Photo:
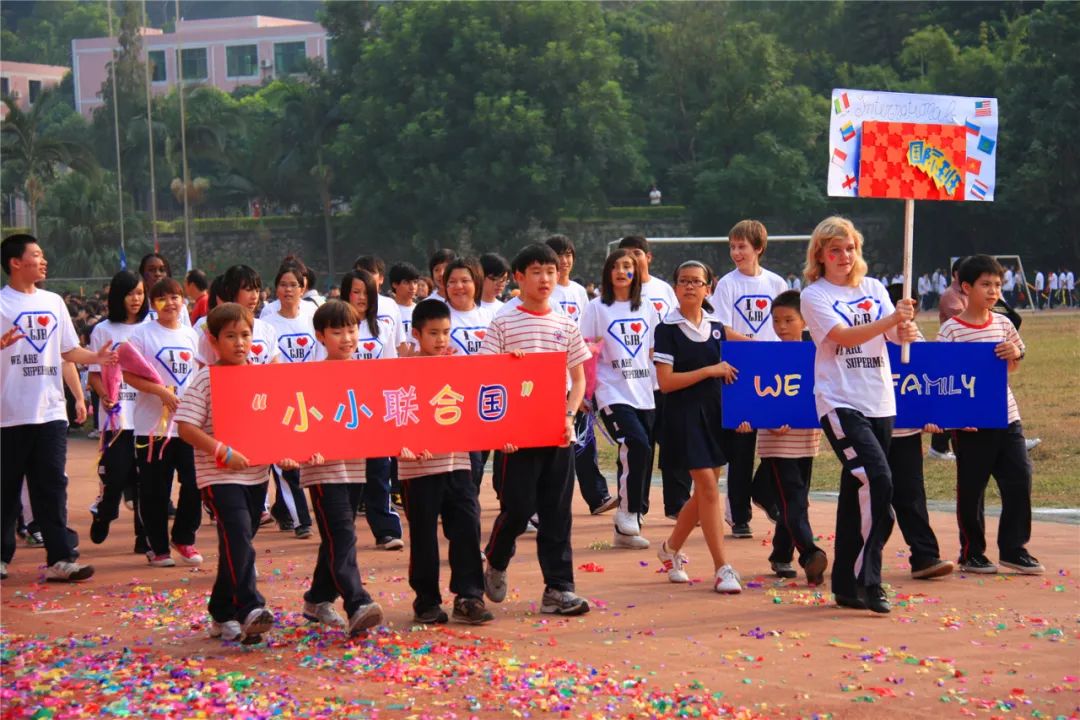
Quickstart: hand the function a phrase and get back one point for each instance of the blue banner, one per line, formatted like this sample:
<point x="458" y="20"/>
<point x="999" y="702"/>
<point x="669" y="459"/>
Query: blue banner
<point x="952" y="385"/>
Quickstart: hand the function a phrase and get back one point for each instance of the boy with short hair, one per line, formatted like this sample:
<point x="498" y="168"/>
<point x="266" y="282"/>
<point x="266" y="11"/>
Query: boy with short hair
<point x="436" y="266"/>
<point x="404" y="279"/>
<point x="1000" y="452"/>
<point x="787" y="461"/>
<point x="441" y="486"/>
<point x="542" y="480"/>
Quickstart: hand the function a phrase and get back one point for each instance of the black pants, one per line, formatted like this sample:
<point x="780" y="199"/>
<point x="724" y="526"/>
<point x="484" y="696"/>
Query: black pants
<point x="1001" y="453"/>
<point x="290" y="505"/>
<point x="379" y="510"/>
<point x="39" y="453"/>
<point x="336" y="572"/>
<point x="788" y="480"/>
<point x="536" y="480"/>
<point x="864" y="518"/>
<point x="478" y="460"/>
<point x="909" y="499"/>
<point x="591" y="482"/>
<point x="632" y="430"/>
<point x="676" y="480"/>
<point x="155" y="488"/>
<point x="940" y="442"/>
<point x="739" y="450"/>
<point x="237" y="509"/>
<point x="453" y="497"/>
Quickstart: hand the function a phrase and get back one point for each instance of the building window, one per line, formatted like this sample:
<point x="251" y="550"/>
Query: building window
<point x="289" y="57"/>
<point x="35" y="91"/>
<point x="4" y="87"/>
<point x="242" y="61"/>
<point x="193" y="64"/>
<point x="157" y="65"/>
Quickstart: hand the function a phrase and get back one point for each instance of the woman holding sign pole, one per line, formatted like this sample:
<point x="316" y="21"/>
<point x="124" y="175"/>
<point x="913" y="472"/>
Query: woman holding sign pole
<point x="850" y="316"/>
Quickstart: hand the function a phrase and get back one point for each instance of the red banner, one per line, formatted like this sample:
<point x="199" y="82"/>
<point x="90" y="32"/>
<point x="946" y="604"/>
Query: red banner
<point x="912" y="161"/>
<point x="354" y="409"/>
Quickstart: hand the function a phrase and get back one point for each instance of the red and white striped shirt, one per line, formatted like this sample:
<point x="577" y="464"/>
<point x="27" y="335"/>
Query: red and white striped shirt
<point x="795" y="443"/>
<point x="997" y="330"/>
<point x="441" y="463"/>
<point x="520" y="329"/>
<point x="195" y="409"/>
<point x="331" y="472"/>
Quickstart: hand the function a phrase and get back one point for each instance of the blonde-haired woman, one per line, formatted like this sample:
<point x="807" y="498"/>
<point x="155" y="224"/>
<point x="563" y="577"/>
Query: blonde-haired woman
<point x="850" y="316"/>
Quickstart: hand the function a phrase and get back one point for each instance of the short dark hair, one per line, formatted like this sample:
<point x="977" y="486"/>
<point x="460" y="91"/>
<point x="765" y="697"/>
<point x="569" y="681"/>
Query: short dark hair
<point x="635" y="242"/>
<point x="215" y="293"/>
<point x="978" y="265"/>
<point x="956" y="264"/>
<point x="371" y="316"/>
<point x="165" y="286"/>
<point x="197" y="278"/>
<point x="560" y="244"/>
<point x="428" y="310"/>
<point x="13" y="247"/>
<point x="335" y="314"/>
<point x="534" y="253"/>
<point x="237" y="278"/>
<point x="607" y="287"/>
<point x="294" y="266"/>
<point x="442" y="255"/>
<point x="372" y="263"/>
<point x="310" y="279"/>
<point x="470" y="264"/>
<point x="710" y="278"/>
<point x="121" y="284"/>
<point x="788" y="299"/>
<point x="494" y="265"/>
<point x="403" y="272"/>
<point x="227" y="313"/>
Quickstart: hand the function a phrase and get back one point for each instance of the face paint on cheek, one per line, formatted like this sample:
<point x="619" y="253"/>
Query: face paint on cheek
<point x="159" y="304"/>
<point x="629" y="276"/>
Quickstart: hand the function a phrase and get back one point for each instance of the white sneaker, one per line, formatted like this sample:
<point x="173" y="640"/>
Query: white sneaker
<point x="229" y="630"/>
<point x="64" y="571"/>
<point x="1032" y="443"/>
<point x="673" y="563"/>
<point x="936" y="455"/>
<point x="366" y="617"/>
<point x="495" y="584"/>
<point x="533" y="524"/>
<point x="632" y="542"/>
<point x="324" y="613"/>
<point x="626" y="523"/>
<point x="3" y="571"/>
<point x="727" y="581"/>
<point x="255" y="624"/>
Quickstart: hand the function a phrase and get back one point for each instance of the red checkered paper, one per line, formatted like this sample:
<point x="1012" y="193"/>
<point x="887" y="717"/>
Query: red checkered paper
<point x="891" y="167"/>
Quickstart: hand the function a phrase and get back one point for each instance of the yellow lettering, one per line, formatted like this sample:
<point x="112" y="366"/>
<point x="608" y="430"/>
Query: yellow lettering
<point x="911" y="383"/>
<point x="968" y="383"/>
<point x="769" y="391"/>
<point x="791" y="384"/>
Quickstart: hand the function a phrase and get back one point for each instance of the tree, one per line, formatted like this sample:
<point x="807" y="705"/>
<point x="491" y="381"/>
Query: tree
<point x="44" y="35"/>
<point x="33" y="157"/>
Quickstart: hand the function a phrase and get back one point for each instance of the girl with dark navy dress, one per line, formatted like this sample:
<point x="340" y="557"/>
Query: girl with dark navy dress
<point x="690" y="372"/>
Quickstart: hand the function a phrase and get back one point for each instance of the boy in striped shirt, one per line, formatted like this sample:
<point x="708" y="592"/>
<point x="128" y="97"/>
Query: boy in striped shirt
<point x="1000" y="452"/>
<point x="782" y="481"/>
<point x="538" y="480"/>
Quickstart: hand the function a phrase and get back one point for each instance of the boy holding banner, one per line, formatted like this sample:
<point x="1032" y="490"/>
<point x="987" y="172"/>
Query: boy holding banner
<point x="981" y="453"/>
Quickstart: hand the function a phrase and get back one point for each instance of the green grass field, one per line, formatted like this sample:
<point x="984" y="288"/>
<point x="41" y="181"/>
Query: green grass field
<point x="1047" y="388"/>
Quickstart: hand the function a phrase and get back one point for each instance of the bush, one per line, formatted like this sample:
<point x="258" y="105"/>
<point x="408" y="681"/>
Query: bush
<point x="638" y="213"/>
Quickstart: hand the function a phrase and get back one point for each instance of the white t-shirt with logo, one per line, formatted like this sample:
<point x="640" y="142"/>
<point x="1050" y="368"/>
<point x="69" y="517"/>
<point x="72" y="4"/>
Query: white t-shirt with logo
<point x="624" y="370"/>
<point x="571" y="298"/>
<point x="858" y="377"/>
<point x="382" y="346"/>
<point x="109" y="334"/>
<point x="660" y="295"/>
<point x="295" y="337"/>
<point x="185" y="317"/>
<point x="389" y="315"/>
<point x="744" y="302"/>
<point x="263" y="344"/>
<point x="31" y="379"/>
<point x="172" y="354"/>
<point x="406" y="311"/>
<point x="468" y="329"/>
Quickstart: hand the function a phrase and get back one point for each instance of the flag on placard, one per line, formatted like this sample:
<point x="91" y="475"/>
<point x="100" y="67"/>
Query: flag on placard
<point x="847" y="132"/>
<point x="841" y="103"/>
<point x="986" y="145"/>
<point x="839" y="157"/>
<point x="974" y="166"/>
<point x="979" y="189"/>
<point x="982" y="108"/>
<point x="972" y="128"/>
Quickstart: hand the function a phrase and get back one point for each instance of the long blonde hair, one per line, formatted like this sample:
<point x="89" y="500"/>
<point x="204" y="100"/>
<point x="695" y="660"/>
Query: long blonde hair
<point x="829" y="229"/>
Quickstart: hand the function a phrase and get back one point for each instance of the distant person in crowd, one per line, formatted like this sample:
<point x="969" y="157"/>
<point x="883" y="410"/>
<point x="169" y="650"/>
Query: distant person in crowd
<point x="953" y="300"/>
<point x="654" y="195"/>
<point x="1070" y="288"/>
<point x="1040" y="289"/>
<point x="1008" y="286"/>
<point x="311" y="290"/>
<point x="793" y="282"/>
<point x="1052" y="287"/>
<point x="196" y="287"/>
<point x="924" y="288"/>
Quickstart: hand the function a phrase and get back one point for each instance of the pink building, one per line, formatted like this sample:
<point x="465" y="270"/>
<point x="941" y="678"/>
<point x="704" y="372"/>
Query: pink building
<point x="225" y="53"/>
<point x="25" y="81"/>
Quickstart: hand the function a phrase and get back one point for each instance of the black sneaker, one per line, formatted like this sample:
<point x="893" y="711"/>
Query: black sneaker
<point x="285" y="525"/>
<point x="783" y="569"/>
<point x="471" y="611"/>
<point x="927" y="569"/>
<point x="608" y="503"/>
<point x="303" y="531"/>
<point x="854" y="602"/>
<point x="141" y="546"/>
<point x="1023" y="563"/>
<point x="815" y="568"/>
<point x="877" y="600"/>
<point x="742" y="530"/>
<point x="99" y="530"/>
<point x="978" y="564"/>
<point x="433" y="615"/>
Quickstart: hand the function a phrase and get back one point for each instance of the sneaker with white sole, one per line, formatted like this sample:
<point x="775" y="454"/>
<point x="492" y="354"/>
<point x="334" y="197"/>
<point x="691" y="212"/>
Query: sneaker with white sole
<point x="390" y="543"/>
<point x="495" y="584"/>
<point x="727" y="581"/>
<point x="1023" y="563"/>
<point x="230" y="630"/>
<point x="933" y="568"/>
<point x="188" y="554"/>
<point x="323" y="613"/>
<point x="627" y="523"/>
<point x="1032" y="443"/>
<point x="64" y="571"/>
<point x="631" y="542"/>
<point x="3" y="571"/>
<point x="563" y="602"/>
<point x="948" y="455"/>
<point x="609" y="503"/>
<point x="366" y="617"/>
<point x="673" y="564"/>
<point x="160" y="560"/>
<point x="783" y="569"/>
<point x="255" y="624"/>
<point x="978" y="564"/>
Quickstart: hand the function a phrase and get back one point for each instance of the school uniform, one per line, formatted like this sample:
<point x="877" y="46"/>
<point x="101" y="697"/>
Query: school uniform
<point x="782" y="480"/>
<point x="236" y="498"/>
<point x="159" y="452"/>
<point x="33" y="419"/>
<point x="998" y="452"/>
<point x="854" y="397"/>
<point x="909" y="497"/>
<point x="536" y="480"/>
<point x="442" y="487"/>
<point x="744" y="303"/>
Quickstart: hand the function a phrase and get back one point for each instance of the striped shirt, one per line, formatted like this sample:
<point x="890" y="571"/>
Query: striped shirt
<point x="998" y="329"/>
<point x="195" y="409"/>
<point x="520" y="329"/>
<point x="441" y="463"/>
<point x="795" y="443"/>
<point x="330" y="472"/>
